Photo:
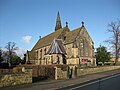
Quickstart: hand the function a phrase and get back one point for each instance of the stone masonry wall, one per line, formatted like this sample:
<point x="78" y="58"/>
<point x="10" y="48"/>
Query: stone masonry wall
<point x="64" y="74"/>
<point x="84" y="71"/>
<point x="15" y="78"/>
<point x="60" y="74"/>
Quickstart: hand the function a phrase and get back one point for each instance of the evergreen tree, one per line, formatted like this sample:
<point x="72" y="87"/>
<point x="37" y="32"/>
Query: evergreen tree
<point x="15" y="60"/>
<point x="102" y="55"/>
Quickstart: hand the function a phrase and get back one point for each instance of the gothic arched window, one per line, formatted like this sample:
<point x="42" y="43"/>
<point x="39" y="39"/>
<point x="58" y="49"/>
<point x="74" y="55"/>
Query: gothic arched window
<point x="41" y="54"/>
<point x="45" y="50"/>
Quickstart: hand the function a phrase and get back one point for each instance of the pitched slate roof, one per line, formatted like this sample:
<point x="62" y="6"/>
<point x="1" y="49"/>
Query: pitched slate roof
<point x="47" y="40"/>
<point x="56" y="47"/>
<point x="71" y="36"/>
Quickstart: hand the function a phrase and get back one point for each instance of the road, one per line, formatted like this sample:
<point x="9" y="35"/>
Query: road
<point x="108" y="83"/>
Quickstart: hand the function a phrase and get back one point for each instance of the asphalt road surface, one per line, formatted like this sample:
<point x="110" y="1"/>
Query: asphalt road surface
<point x="108" y="83"/>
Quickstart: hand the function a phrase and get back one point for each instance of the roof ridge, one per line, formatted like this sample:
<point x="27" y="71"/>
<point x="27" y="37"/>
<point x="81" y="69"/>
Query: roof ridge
<point x="71" y="36"/>
<point x="52" y="33"/>
<point x="42" y="41"/>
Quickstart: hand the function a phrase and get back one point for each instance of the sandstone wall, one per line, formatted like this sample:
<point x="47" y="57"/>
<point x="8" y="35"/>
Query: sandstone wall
<point x="76" y="72"/>
<point x="84" y="71"/>
<point x="15" y="78"/>
<point x="61" y="74"/>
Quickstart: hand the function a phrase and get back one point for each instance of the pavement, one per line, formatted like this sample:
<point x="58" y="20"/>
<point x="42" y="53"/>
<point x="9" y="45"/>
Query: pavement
<point x="62" y="84"/>
<point x="107" y="83"/>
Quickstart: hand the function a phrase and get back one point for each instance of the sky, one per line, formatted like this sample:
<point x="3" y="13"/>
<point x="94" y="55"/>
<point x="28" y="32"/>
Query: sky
<point x="23" y="21"/>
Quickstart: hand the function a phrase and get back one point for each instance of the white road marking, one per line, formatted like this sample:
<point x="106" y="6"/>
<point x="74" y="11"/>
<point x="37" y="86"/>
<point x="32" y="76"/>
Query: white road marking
<point x="95" y="81"/>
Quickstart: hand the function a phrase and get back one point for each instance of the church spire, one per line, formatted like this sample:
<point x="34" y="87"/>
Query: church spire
<point x="58" y="22"/>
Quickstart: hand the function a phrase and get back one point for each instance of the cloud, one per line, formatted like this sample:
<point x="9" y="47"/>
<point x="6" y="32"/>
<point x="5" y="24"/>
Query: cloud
<point x="26" y="38"/>
<point x="20" y="52"/>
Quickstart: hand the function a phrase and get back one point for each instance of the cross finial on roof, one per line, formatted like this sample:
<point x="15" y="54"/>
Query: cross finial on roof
<point x="66" y="24"/>
<point x="82" y="24"/>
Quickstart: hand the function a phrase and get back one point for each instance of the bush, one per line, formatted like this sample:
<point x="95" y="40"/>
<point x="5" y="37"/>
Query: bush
<point x="100" y="63"/>
<point x="4" y="65"/>
<point x="118" y="63"/>
<point x="112" y="63"/>
<point x="109" y="63"/>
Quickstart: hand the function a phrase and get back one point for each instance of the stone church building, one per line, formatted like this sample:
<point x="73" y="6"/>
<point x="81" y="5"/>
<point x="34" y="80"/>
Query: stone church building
<point x="63" y="46"/>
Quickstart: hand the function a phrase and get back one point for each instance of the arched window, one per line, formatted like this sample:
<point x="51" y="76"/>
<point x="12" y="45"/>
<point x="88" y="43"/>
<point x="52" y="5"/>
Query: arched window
<point x="41" y="54"/>
<point x="58" y="60"/>
<point x="81" y="47"/>
<point x="36" y="55"/>
<point x="45" y="50"/>
<point x="51" y="59"/>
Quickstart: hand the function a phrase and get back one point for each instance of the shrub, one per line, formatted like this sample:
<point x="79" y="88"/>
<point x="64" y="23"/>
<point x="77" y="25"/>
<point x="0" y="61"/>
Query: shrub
<point x="118" y="63"/>
<point x="100" y="63"/>
<point x="4" y="65"/>
<point x="109" y="63"/>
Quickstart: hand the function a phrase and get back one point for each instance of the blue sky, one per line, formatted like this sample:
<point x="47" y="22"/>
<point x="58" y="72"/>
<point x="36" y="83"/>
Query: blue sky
<point x="23" y="21"/>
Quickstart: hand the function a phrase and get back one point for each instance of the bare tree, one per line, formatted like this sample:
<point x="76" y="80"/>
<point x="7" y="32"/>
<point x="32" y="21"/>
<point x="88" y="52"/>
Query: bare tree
<point x="10" y="51"/>
<point x="114" y="28"/>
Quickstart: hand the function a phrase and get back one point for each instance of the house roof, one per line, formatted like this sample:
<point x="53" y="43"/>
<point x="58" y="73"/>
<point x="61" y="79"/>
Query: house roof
<point x="71" y="36"/>
<point x="56" y="47"/>
<point x="47" y="40"/>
